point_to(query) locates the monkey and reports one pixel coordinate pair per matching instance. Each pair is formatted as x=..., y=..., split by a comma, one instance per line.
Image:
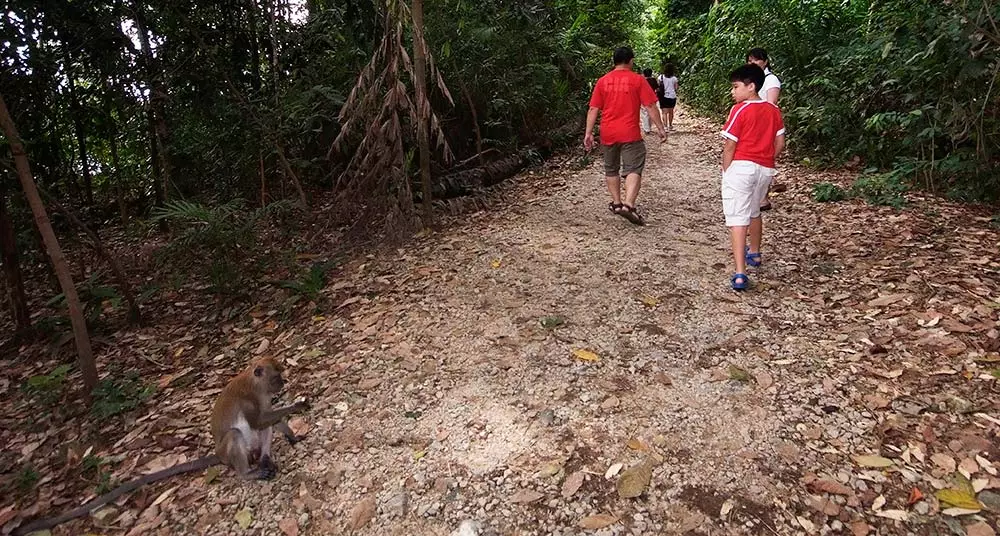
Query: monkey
x=242, y=429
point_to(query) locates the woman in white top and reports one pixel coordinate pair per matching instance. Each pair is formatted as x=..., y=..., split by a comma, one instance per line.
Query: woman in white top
x=668, y=95
x=770, y=92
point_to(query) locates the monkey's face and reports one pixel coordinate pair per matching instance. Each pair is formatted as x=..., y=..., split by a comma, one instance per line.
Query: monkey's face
x=268, y=374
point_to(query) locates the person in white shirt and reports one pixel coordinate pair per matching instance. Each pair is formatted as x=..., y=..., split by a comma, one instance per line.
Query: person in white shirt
x=770, y=91
x=668, y=95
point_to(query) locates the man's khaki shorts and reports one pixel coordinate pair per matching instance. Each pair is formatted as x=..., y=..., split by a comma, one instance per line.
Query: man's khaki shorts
x=625, y=157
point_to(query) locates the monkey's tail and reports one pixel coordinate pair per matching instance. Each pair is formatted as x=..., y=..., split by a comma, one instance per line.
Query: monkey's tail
x=194, y=465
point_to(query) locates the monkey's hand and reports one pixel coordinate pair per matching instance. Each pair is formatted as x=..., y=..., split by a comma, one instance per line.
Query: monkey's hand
x=301, y=404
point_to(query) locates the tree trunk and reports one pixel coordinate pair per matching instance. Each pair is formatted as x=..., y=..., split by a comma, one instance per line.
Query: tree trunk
x=157, y=97
x=115, y=171
x=81, y=133
x=423, y=105
x=475, y=122
x=85, y=354
x=12, y=273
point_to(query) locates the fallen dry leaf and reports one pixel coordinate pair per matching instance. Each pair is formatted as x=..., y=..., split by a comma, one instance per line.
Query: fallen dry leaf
x=945, y=462
x=915, y=496
x=873, y=461
x=828, y=486
x=299, y=426
x=362, y=513
x=635, y=480
x=613, y=470
x=289, y=526
x=526, y=496
x=244, y=517
x=598, y=521
x=586, y=355
x=573, y=483
x=979, y=529
x=860, y=528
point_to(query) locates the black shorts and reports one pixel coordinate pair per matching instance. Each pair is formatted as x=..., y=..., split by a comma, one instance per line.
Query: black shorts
x=668, y=103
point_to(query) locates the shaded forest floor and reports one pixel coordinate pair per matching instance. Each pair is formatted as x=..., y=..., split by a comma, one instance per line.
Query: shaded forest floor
x=857, y=379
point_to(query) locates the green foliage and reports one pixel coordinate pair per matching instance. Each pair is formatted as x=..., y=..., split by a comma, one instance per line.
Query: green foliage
x=93, y=295
x=905, y=86
x=312, y=282
x=883, y=189
x=91, y=463
x=827, y=192
x=26, y=479
x=114, y=396
x=47, y=389
x=219, y=242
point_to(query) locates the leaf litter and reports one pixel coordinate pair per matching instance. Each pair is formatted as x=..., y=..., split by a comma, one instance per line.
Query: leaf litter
x=872, y=333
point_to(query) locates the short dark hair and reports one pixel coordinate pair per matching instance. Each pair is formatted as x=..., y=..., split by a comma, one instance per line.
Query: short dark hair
x=748, y=73
x=647, y=72
x=623, y=55
x=757, y=54
x=668, y=70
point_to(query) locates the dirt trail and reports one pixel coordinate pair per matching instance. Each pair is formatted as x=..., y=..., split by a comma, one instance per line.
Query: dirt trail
x=443, y=399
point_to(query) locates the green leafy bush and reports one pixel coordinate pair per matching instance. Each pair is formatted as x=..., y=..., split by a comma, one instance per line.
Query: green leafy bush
x=827, y=192
x=219, y=242
x=47, y=389
x=907, y=86
x=883, y=189
x=115, y=396
x=312, y=282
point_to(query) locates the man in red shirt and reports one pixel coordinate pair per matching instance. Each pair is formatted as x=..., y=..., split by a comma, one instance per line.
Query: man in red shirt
x=618, y=96
x=755, y=135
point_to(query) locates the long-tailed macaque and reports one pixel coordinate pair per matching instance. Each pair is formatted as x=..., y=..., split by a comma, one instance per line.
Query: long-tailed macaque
x=242, y=422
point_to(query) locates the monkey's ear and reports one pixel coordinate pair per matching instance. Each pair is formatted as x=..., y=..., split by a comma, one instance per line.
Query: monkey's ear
x=259, y=371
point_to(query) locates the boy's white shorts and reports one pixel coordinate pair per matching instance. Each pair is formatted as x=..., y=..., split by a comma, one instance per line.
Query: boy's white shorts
x=744, y=186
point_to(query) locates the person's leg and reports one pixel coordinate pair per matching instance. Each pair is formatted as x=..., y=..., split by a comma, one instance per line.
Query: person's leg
x=737, y=205
x=761, y=184
x=612, y=163
x=632, y=183
x=738, y=237
x=755, y=233
x=670, y=118
x=633, y=163
x=614, y=188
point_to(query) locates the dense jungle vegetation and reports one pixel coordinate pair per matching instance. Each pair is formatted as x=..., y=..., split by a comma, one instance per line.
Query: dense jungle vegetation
x=190, y=124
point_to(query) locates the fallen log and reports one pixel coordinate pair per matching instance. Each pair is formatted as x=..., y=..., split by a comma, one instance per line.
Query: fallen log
x=471, y=181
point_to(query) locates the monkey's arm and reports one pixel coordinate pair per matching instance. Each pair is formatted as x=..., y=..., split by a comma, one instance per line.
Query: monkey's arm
x=194, y=465
x=270, y=418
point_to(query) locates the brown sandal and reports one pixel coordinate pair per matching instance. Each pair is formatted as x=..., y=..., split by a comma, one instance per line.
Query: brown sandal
x=632, y=214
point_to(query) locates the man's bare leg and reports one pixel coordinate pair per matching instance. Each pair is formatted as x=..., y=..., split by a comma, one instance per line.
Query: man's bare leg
x=614, y=188
x=632, y=183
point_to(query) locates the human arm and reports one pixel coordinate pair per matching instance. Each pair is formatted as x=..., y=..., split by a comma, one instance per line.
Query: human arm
x=728, y=151
x=654, y=114
x=779, y=144
x=772, y=95
x=588, y=135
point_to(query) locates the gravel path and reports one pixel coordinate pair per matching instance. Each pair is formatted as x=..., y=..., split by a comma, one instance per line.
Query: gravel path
x=452, y=401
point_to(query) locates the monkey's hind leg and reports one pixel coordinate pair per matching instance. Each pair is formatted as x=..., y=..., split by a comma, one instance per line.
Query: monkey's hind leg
x=236, y=450
x=265, y=465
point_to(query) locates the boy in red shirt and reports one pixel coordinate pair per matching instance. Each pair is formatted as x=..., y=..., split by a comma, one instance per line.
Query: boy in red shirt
x=755, y=135
x=618, y=96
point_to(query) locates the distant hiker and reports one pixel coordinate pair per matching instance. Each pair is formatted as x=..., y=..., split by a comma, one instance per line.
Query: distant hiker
x=618, y=96
x=755, y=134
x=668, y=94
x=770, y=92
x=647, y=73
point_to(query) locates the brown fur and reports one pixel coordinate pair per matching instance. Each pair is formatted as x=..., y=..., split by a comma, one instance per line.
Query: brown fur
x=246, y=398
